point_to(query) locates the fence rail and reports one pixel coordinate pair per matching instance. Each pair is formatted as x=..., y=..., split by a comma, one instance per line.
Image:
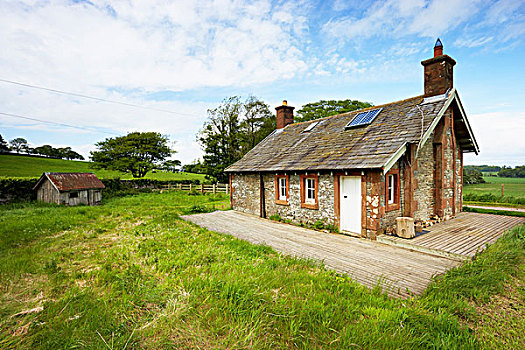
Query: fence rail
x=215, y=188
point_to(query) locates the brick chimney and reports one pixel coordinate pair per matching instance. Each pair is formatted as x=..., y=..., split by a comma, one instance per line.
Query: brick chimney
x=284, y=115
x=438, y=72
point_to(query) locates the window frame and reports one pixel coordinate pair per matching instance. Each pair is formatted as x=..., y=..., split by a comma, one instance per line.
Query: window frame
x=278, y=199
x=395, y=203
x=304, y=203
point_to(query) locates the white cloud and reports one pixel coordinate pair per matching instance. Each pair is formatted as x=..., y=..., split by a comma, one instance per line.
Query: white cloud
x=149, y=44
x=403, y=17
x=500, y=138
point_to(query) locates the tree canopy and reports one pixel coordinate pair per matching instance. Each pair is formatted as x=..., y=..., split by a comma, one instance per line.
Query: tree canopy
x=232, y=129
x=136, y=153
x=321, y=109
x=3, y=145
x=19, y=144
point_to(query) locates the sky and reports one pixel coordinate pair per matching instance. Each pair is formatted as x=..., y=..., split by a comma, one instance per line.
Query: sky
x=179, y=58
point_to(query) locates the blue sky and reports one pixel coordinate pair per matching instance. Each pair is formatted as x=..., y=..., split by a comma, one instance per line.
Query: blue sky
x=186, y=57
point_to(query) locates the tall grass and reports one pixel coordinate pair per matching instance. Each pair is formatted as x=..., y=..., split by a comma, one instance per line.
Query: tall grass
x=132, y=274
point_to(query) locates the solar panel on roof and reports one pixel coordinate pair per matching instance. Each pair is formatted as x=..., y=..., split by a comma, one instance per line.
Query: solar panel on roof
x=364, y=118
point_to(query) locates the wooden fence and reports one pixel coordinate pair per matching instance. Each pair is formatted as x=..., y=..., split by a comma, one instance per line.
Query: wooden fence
x=202, y=188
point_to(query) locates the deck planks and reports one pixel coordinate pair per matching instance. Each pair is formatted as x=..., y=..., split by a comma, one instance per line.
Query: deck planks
x=399, y=272
x=465, y=235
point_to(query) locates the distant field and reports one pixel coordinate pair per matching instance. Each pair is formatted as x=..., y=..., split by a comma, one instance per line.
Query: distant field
x=20, y=166
x=514, y=187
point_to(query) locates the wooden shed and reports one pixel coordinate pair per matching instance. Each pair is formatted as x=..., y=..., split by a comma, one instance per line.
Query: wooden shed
x=69, y=188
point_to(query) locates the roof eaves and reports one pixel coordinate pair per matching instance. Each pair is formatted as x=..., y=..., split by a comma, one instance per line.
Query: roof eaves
x=469, y=129
x=395, y=157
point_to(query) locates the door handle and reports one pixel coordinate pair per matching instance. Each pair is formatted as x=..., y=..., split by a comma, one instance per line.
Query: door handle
x=345, y=196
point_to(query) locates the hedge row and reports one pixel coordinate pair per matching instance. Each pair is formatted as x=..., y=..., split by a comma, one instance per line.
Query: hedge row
x=490, y=198
x=21, y=189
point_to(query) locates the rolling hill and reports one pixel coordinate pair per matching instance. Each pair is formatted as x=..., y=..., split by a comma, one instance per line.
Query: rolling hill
x=23, y=166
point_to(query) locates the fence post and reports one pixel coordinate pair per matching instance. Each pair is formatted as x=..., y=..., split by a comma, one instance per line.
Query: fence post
x=502, y=190
x=190, y=186
x=180, y=187
x=227, y=188
x=214, y=189
x=202, y=188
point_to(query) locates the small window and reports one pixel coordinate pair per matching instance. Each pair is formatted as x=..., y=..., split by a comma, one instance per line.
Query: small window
x=310, y=127
x=281, y=189
x=73, y=194
x=309, y=191
x=392, y=187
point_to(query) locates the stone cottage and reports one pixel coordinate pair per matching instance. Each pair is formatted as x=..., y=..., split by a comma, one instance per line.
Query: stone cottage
x=69, y=188
x=361, y=170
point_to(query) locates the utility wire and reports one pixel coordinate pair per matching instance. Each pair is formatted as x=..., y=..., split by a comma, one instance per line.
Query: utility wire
x=54, y=123
x=94, y=98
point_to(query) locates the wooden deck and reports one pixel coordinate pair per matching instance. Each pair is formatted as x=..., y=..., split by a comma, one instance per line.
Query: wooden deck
x=461, y=237
x=400, y=272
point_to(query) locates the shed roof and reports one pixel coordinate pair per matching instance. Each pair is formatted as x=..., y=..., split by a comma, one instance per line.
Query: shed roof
x=71, y=181
x=331, y=146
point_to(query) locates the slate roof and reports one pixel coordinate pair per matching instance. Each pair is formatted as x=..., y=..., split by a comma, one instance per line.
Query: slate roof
x=72, y=181
x=329, y=146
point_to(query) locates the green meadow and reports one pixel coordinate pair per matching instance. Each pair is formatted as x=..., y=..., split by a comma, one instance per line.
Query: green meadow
x=21, y=166
x=131, y=274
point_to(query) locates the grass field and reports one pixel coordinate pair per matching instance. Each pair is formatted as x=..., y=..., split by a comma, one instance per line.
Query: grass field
x=20, y=166
x=514, y=187
x=131, y=274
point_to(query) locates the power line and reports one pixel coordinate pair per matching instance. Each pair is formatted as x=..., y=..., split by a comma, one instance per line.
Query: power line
x=94, y=98
x=54, y=123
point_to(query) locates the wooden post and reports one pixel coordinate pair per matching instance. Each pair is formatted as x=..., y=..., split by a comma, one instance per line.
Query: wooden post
x=502, y=190
x=190, y=186
x=214, y=189
x=202, y=188
x=180, y=186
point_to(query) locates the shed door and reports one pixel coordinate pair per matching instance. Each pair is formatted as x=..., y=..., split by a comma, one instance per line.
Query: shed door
x=350, y=204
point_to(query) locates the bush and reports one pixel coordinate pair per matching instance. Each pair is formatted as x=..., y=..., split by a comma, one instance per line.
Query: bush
x=472, y=176
x=17, y=189
x=490, y=198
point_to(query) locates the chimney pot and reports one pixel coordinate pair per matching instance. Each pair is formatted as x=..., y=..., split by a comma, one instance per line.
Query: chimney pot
x=438, y=48
x=285, y=103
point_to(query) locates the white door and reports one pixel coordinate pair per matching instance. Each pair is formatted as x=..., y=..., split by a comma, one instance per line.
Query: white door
x=350, y=204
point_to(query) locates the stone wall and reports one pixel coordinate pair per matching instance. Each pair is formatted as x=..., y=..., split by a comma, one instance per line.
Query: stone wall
x=424, y=189
x=245, y=193
x=293, y=210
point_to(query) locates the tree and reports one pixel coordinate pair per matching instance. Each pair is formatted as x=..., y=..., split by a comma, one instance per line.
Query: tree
x=220, y=138
x=258, y=122
x=171, y=165
x=19, y=144
x=136, y=153
x=324, y=108
x=472, y=176
x=3, y=145
x=47, y=150
x=232, y=129
x=196, y=167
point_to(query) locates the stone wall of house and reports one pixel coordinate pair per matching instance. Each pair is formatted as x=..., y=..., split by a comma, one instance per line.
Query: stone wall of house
x=448, y=172
x=459, y=180
x=293, y=211
x=245, y=193
x=424, y=189
x=245, y=198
